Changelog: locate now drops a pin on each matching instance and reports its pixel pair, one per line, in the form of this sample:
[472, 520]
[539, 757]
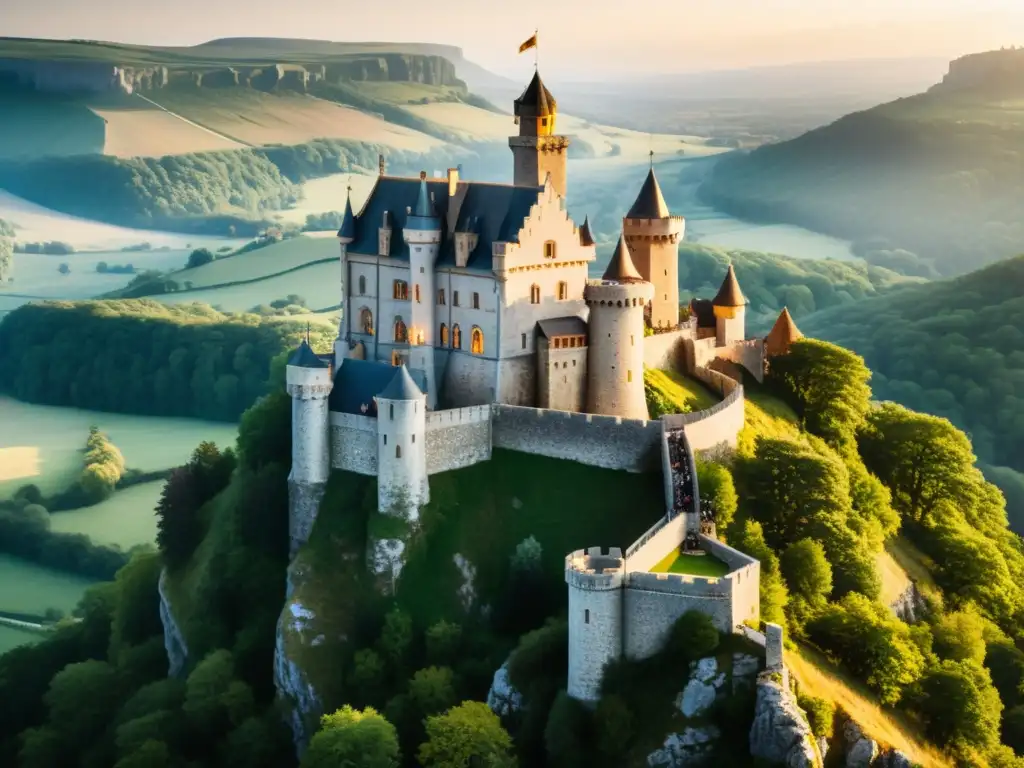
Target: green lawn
[127, 518]
[687, 394]
[693, 565]
[263, 262]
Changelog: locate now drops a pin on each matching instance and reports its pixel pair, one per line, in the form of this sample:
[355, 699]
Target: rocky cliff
[174, 640]
[992, 72]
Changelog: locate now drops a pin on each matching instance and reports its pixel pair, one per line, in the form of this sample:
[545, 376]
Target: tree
[567, 735]
[807, 571]
[749, 539]
[198, 258]
[958, 702]
[718, 491]
[206, 690]
[1013, 729]
[469, 734]
[960, 636]
[613, 723]
[353, 738]
[443, 640]
[828, 387]
[432, 690]
[692, 636]
[178, 526]
[150, 754]
[6, 259]
[396, 638]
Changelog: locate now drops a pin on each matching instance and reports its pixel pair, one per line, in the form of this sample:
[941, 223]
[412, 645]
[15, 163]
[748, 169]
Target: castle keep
[469, 322]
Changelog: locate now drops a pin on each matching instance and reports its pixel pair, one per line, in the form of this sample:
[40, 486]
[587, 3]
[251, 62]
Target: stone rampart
[648, 616]
[748, 353]
[721, 423]
[682, 584]
[656, 544]
[354, 443]
[457, 438]
[668, 350]
[610, 442]
[666, 474]
[745, 577]
[595, 569]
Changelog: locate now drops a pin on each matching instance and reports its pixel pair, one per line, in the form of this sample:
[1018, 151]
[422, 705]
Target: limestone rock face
[174, 640]
[503, 698]
[779, 733]
[702, 689]
[689, 747]
[300, 702]
[909, 604]
[745, 669]
[893, 758]
[467, 591]
[386, 558]
[860, 750]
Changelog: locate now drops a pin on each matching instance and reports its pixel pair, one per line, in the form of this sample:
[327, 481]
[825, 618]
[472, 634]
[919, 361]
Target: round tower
[595, 582]
[308, 381]
[422, 233]
[615, 360]
[402, 486]
[730, 311]
[653, 235]
[346, 236]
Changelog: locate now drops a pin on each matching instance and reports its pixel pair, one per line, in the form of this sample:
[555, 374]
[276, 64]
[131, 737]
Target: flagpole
[536, 50]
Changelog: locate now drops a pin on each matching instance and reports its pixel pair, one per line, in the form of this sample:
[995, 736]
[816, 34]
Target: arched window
[401, 290]
[563, 291]
[401, 332]
[477, 341]
[444, 335]
[549, 249]
[362, 285]
[366, 320]
[535, 294]
[456, 337]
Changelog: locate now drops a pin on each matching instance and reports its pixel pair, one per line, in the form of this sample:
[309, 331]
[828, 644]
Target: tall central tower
[422, 233]
[537, 151]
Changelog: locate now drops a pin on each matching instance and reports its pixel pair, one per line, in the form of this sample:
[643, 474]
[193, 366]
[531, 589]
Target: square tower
[537, 151]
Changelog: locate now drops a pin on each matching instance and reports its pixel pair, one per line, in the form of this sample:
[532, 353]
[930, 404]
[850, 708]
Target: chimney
[380, 164]
[423, 175]
[453, 181]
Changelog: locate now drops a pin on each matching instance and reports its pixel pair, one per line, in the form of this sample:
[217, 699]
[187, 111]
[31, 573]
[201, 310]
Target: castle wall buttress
[562, 378]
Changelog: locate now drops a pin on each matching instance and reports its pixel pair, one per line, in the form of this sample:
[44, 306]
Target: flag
[531, 43]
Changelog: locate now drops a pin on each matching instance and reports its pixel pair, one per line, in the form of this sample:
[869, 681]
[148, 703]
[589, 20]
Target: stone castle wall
[667, 351]
[595, 611]
[656, 544]
[470, 379]
[721, 423]
[748, 353]
[458, 438]
[647, 616]
[354, 443]
[746, 580]
[600, 441]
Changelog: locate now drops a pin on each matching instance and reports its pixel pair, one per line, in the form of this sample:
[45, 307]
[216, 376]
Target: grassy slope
[686, 393]
[260, 263]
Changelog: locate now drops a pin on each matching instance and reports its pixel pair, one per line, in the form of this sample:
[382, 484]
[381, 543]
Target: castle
[469, 322]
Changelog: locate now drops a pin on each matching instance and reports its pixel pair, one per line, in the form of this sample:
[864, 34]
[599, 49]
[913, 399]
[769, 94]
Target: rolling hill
[929, 184]
[952, 348]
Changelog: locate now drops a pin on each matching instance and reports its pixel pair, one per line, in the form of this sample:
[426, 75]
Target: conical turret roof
[621, 268]
[305, 357]
[348, 222]
[730, 295]
[536, 100]
[650, 203]
[782, 334]
[424, 207]
[402, 387]
[586, 237]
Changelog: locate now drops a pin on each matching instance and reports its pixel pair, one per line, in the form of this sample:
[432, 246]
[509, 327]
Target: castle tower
[422, 234]
[308, 380]
[595, 618]
[346, 236]
[615, 361]
[537, 151]
[730, 311]
[782, 335]
[653, 236]
[401, 447]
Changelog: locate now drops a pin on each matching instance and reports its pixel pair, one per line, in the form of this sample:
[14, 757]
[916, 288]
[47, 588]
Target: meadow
[31, 589]
[43, 444]
[262, 262]
[125, 519]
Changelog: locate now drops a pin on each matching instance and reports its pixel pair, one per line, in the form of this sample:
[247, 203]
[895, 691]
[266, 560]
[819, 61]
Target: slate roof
[348, 223]
[650, 203]
[357, 382]
[402, 387]
[586, 237]
[729, 295]
[305, 357]
[536, 100]
[621, 268]
[496, 212]
[562, 326]
[705, 312]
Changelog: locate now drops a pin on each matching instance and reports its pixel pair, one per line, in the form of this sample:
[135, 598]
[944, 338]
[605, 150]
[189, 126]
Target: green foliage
[443, 642]
[6, 258]
[199, 257]
[140, 356]
[658, 402]
[104, 466]
[717, 489]
[354, 738]
[827, 386]
[871, 642]
[748, 537]
[1005, 663]
[1013, 729]
[693, 635]
[821, 715]
[615, 728]
[807, 571]
[469, 734]
[396, 638]
[567, 736]
[432, 690]
[959, 703]
[960, 636]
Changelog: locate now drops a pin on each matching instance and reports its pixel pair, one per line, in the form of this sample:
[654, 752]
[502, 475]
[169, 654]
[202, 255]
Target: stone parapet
[595, 570]
[611, 294]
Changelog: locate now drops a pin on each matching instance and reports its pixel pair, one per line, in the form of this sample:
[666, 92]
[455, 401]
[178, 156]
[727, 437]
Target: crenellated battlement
[612, 294]
[719, 588]
[473, 414]
[595, 569]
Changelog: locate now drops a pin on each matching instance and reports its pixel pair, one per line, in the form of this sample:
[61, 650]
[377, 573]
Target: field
[687, 394]
[818, 677]
[147, 131]
[43, 444]
[263, 262]
[29, 588]
[261, 119]
[127, 518]
[328, 194]
[694, 565]
[12, 638]
[319, 284]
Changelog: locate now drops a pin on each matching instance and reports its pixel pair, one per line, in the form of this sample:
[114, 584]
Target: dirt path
[194, 124]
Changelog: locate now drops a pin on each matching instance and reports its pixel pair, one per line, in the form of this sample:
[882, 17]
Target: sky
[579, 39]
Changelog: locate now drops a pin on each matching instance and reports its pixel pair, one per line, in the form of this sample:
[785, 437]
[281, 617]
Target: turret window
[366, 320]
[549, 249]
[398, 451]
[455, 298]
[391, 415]
[586, 615]
[535, 294]
[401, 290]
[476, 300]
[563, 291]
[362, 285]
[416, 292]
[477, 341]
[401, 332]
[456, 337]
[440, 297]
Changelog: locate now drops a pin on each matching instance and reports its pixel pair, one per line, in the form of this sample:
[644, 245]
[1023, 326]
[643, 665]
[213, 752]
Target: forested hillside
[953, 348]
[930, 182]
